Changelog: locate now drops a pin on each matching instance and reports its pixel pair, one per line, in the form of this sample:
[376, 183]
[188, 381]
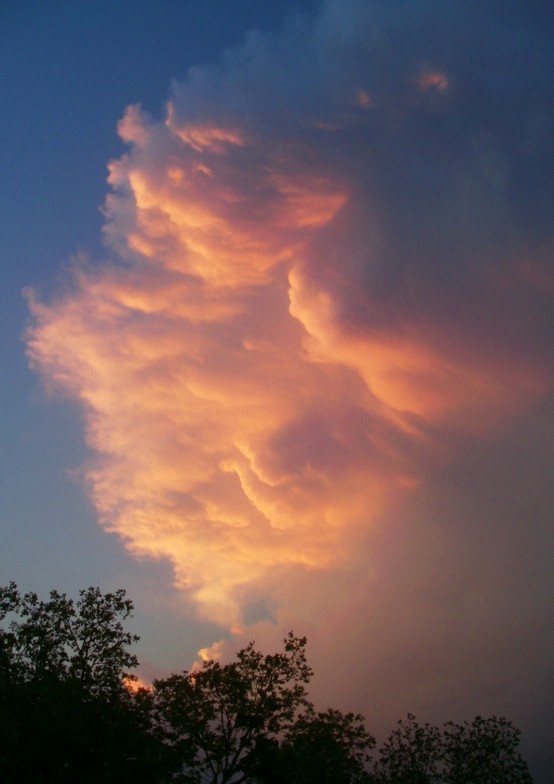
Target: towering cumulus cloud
[331, 282]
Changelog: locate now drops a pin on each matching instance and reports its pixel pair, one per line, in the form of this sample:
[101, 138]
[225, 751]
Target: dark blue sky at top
[69, 69]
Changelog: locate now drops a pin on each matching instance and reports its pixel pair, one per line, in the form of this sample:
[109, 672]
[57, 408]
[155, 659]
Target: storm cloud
[316, 373]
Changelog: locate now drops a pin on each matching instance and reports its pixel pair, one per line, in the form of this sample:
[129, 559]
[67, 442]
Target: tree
[412, 754]
[328, 747]
[59, 638]
[215, 716]
[65, 713]
[484, 751]
[9, 600]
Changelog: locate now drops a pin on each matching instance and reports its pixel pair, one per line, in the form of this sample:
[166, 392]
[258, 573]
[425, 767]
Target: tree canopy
[484, 751]
[325, 747]
[83, 641]
[216, 715]
[67, 714]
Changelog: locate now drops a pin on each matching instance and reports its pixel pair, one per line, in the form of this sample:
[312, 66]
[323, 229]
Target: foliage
[216, 715]
[67, 715]
[484, 751]
[328, 747]
[55, 732]
[411, 755]
[59, 638]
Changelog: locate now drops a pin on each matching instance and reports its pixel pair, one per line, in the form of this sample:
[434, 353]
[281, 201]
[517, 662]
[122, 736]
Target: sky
[277, 331]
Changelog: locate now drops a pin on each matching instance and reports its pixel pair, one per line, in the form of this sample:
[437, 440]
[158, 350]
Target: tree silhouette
[412, 754]
[65, 713]
[215, 716]
[484, 751]
[84, 640]
[328, 747]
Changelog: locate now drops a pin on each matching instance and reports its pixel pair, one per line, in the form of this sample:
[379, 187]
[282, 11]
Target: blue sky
[292, 365]
[73, 68]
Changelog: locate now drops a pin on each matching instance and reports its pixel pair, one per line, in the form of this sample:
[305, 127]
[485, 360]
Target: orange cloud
[363, 99]
[420, 368]
[433, 80]
[316, 376]
[206, 137]
[247, 422]
[219, 446]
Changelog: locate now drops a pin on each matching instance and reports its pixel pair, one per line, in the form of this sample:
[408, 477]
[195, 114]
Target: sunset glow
[313, 362]
[241, 422]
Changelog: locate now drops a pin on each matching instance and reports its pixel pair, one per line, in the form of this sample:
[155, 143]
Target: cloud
[330, 293]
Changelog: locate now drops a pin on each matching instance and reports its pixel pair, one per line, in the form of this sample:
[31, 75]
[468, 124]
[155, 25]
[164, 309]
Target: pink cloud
[305, 343]
[241, 423]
